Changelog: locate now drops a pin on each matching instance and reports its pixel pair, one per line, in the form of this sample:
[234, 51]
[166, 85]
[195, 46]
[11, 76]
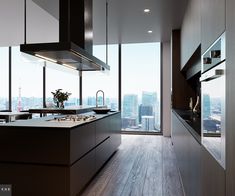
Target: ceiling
[129, 24]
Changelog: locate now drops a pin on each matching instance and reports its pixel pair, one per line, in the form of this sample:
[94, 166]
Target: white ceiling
[129, 24]
[127, 21]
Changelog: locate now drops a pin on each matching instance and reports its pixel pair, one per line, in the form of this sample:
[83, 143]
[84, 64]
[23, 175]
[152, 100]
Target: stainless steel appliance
[74, 118]
[213, 99]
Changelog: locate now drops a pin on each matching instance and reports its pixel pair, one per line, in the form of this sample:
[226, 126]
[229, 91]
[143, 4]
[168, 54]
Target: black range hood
[74, 48]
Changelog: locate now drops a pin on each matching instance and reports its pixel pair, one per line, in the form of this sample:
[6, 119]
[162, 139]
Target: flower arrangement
[59, 97]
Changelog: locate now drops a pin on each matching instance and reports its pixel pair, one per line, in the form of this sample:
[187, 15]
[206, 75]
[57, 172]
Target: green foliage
[59, 96]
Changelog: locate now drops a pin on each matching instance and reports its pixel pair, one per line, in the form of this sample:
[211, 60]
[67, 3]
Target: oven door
[213, 112]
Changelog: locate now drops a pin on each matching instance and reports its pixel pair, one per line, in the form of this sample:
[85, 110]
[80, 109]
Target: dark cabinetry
[188, 155]
[102, 130]
[56, 160]
[115, 139]
[181, 90]
[230, 97]
[213, 21]
[82, 139]
[213, 175]
[190, 31]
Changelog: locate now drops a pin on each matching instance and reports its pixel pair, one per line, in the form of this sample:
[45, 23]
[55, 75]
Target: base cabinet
[213, 175]
[81, 172]
[188, 155]
[84, 150]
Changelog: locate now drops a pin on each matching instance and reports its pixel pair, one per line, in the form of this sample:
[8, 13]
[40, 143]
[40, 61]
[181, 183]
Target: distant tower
[19, 107]
[148, 123]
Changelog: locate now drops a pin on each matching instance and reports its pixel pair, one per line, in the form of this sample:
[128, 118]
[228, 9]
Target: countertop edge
[188, 127]
[41, 122]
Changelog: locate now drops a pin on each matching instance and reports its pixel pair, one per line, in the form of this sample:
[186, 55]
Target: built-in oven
[213, 100]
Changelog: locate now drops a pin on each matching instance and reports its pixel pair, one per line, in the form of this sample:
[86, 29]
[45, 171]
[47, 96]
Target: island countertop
[47, 121]
[70, 110]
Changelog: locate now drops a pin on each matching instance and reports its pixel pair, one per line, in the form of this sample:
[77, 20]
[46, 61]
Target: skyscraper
[206, 106]
[130, 107]
[148, 123]
[145, 110]
[150, 99]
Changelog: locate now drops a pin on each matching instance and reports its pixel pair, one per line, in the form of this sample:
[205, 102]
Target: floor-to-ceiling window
[4, 78]
[61, 77]
[141, 87]
[27, 85]
[106, 81]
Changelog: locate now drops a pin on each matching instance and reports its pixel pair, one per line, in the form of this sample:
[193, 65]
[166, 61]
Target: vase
[61, 104]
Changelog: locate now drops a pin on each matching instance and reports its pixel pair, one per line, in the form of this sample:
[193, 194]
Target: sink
[101, 110]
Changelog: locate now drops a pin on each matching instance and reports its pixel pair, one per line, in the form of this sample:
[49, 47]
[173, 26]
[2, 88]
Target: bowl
[101, 110]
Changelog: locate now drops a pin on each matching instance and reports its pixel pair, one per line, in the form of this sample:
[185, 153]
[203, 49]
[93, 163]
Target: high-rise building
[151, 99]
[145, 110]
[148, 123]
[91, 101]
[19, 107]
[129, 123]
[130, 107]
[206, 106]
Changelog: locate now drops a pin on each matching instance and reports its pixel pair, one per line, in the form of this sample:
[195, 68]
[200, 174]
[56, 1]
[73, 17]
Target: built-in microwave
[213, 100]
[214, 55]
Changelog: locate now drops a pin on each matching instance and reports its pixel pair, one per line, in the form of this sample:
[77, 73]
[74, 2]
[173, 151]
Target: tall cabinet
[212, 26]
[230, 97]
[213, 21]
[190, 31]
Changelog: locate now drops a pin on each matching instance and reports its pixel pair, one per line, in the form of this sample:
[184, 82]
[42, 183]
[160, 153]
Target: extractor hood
[74, 48]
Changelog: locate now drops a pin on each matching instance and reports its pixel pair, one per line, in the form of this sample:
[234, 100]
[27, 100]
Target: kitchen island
[49, 157]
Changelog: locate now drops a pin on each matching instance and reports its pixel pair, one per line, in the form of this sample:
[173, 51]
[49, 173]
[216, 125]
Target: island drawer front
[34, 145]
[35, 180]
[102, 130]
[81, 173]
[102, 153]
[82, 140]
[115, 136]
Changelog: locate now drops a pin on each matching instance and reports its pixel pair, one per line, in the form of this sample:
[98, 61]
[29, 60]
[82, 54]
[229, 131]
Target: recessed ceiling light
[150, 31]
[146, 10]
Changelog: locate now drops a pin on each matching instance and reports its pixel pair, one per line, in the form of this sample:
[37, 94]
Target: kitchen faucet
[97, 97]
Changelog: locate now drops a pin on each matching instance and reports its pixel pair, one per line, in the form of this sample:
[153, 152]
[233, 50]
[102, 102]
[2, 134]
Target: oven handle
[210, 75]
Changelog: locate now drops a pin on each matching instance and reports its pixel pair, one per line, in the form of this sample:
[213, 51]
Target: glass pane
[108, 81]
[27, 81]
[213, 114]
[141, 87]
[59, 77]
[4, 78]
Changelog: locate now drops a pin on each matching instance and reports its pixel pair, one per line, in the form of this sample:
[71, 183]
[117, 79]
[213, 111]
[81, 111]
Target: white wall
[42, 27]
[11, 22]
[166, 89]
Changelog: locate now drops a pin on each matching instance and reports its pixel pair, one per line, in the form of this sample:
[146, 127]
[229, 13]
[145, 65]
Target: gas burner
[74, 118]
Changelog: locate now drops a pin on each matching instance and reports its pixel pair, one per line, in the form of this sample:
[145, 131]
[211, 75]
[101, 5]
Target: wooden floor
[144, 165]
